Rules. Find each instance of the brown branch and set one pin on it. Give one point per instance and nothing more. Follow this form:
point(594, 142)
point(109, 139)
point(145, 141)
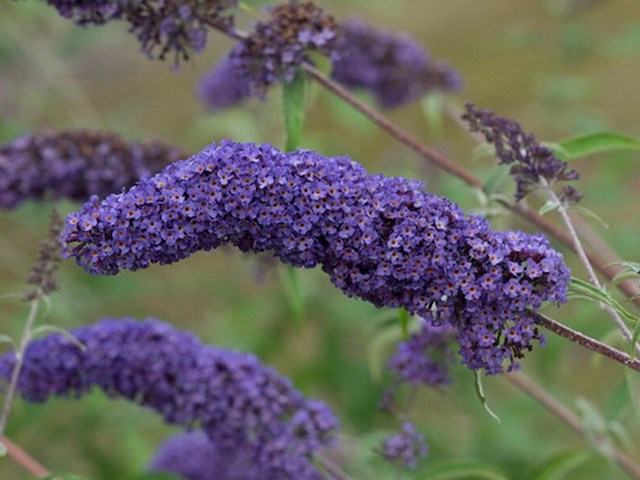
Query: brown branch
point(24, 459)
point(532, 389)
point(586, 341)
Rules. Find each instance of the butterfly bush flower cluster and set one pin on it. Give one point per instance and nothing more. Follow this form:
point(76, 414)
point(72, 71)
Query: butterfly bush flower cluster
point(238, 402)
point(275, 49)
point(393, 67)
point(75, 165)
point(166, 26)
point(193, 456)
point(533, 165)
point(380, 239)
point(406, 447)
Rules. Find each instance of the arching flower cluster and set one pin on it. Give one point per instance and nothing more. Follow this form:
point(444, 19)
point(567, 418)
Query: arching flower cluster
point(165, 26)
point(380, 239)
point(393, 67)
point(75, 165)
point(239, 403)
point(533, 165)
point(193, 456)
point(275, 49)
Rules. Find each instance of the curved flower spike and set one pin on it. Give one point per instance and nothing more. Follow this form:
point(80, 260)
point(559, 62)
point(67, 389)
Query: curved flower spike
point(380, 239)
point(75, 165)
point(170, 26)
point(238, 402)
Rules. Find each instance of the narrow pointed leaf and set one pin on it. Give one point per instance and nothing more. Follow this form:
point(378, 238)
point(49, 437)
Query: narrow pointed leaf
point(597, 142)
point(293, 107)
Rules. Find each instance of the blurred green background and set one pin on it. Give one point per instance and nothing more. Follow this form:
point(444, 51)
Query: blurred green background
point(561, 67)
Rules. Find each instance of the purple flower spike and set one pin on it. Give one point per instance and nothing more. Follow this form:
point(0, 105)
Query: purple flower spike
point(406, 447)
point(223, 87)
point(193, 456)
point(380, 239)
point(239, 403)
point(533, 165)
point(393, 67)
point(75, 165)
point(166, 26)
point(274, 50)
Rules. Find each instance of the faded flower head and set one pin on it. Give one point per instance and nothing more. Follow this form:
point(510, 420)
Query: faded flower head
point(239, 403)
point(162, 26)
point(194, 456)
point(274, 50)
point(406, 447)
point(224, 86)
point(380, 239)
point(43, 272)
point(393, 67)
point(75, 165)
point(533, 165)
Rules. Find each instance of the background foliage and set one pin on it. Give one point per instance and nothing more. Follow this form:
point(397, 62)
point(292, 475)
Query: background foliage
point(559, 69)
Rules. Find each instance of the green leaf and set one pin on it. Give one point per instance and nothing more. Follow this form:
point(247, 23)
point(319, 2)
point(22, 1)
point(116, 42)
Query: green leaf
point(548, 207)
point(559, 466)
point(293, 292)
point(464, 470)
point(585, 288)
point(481, 396)
point(585, 212)
point(379, 347)
point(3, 450)
point(47, 329)
point(496, 178)
point(9, 340)
point(590, 143)
point(633, 385)
point(403, 320)
point(432, 109)
point(293, 107)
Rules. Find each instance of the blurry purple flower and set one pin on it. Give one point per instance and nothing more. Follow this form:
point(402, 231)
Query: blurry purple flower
point(393, 67)
point(406, 447)
point(425, 357)
point(168, 26)
point(380, 239)
point(274, 50)
point(533, 165)
point(238, 402)
point(75, 165)
point(194, 456)
point(223, 87)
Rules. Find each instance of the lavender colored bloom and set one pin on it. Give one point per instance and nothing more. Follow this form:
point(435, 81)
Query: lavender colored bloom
point(406, 447)
point(425, 356)
point(533, 165)
point(168, 26)
point(275, 49)
point(193, 456)
point(238, 402)
point(380, 239)
point(393, 67)
point(223, 87)
point(75, 165)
